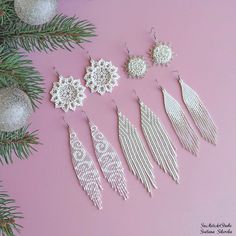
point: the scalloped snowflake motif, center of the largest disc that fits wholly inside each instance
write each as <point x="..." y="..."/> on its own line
<point x="101" y="76"/>
<point x="162" y="53"/>
<point x="67" y="93"/>
<point x="136" y="67"/>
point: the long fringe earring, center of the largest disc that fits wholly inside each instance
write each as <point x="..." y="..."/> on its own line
<point x="187" y="136"/>
<point x="162" y="149"/>
<point x="85" y="169"/>
<point x="199" y="113"/>
<point x="108" y="160"/>
<point x="135" y="153"/>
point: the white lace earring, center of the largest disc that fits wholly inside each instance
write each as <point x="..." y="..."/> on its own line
<point x="108" y="160"/>
<point x="135" y="152"/>
<point x="67" y="93"/>
<point x="85" y="169"/>
<point x="135" y="66"/>
<point x="161" y="52"/>
<point x="101" y="76"/>
<point x="158" y="140"/>
<point x="199" y="113"/>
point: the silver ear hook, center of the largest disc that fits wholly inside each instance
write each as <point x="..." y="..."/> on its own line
<point x="68" y="126"/>
<point x="87" y="52"/>
<point x="178" y="74"/>
<point x="114" y="102"/>
<point x="127" y="49"/>
<point x="54" y="68"/>
<point x="84" y="112"/>
<point x="154" y="33"/>
<point x="135" y="93"/>
<point x="157" y="85"/>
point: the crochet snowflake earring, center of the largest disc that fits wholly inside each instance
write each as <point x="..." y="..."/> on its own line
<point x="161" y="53"/>
<point x="101" y="76"/>
<point x="199" y="113"/>
<point x="85" y="169"/>
<point x="160" y="145"/>
<point x="187" y="136"/>
<point x="67" y="93"/>
<point x="135" y="66"/>
<point x="135" y="153"/>
<point x="108" y="160"/>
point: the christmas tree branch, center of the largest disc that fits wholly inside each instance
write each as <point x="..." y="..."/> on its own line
<point x="61" y="32"/>
<point x="8" y="215"/>
<point x="17" y="71"/>
<point x="20" y="142"/>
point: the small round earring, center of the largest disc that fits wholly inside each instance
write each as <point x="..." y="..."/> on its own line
<point x="161" y="52"/>
<point x="135" y="66"/>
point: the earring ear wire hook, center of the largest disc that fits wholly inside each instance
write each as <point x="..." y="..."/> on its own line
<point x="154" y="33"/>
<point x="135" y="93"/>
<point x="86" y="116"/>
<point x="67" y="124"/>
<point x="178" y="74"/>
<point x="157" y="85"/>
<point x="127" y="49"/>
<point x="114" y="102"/>
<point x="54" y="68"/>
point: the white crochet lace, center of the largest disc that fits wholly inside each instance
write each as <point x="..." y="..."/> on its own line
<point x="67" y="93"/>
<point x="101" y="76"/>
<point x="162" y="53"/>
<point x="136" y="67"/>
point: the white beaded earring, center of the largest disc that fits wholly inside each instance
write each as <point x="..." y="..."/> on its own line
<point x="135" y="66"/>
<point x="161" y="52"/>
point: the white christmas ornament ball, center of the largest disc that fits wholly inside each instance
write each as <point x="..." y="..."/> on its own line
<point x="15" y="109"/>
<point x="35" y="12"/>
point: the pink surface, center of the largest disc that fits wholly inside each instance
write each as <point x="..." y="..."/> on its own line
<point x="203" y="35"/>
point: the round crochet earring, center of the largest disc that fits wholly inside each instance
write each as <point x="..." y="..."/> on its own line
<point x="101" y="76"/>
<point x="161" y="53"/>
<point x="67" y="93"/>
<point x="135" y="66"/>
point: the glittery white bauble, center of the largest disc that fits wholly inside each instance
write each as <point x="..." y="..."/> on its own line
<point x="35" y="12"/>
<point x="15" y="109"/>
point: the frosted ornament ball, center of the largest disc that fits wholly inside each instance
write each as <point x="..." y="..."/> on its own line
<point x="35" y="12"/>
<point x="136" y="67"/>
<point x="68" y="93"/>
<point x="162" y="53"/>
<point x="15" y="109"/>
<point x="101" y="76"/>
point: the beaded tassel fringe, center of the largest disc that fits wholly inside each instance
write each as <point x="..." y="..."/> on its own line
<point x="109" y="162"/>
<point x="183" y="129"/>
<point x="199" y="113"/>
<point x="135" y="153"/>
<point x="161" y="147"/>
<point x="85" y="170"/>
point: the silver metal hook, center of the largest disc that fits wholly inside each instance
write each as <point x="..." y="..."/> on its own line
<point x="127" y="49"/>
<point x="157" y="85"/>
<point x="135" y="93"/>
<point x="54" y="68"/>
<point x="154" y="33"/>
<point x="114" y="102"/>
<point x="68" y="126"/>
<point x="84" y="112"/>
<point x="178" y="74"/>
<point x="87" y="52"/>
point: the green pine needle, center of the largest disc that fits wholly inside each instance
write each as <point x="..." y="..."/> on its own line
<point x="15" y="70"/>
<point x="61" y="32"/>
<point x="21" y="142"/>
<point x="8" y="215"/>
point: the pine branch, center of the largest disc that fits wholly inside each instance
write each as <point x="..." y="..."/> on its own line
<point x="15" y="70"/>
<point x="7" y="12"/>
<point x="20" y="142"/>
<point x="8" y="215"/>
<point x="61" y="32"/>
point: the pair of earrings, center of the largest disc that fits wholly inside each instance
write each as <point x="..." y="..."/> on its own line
<point x="86" y="170"/>
<point x="161" y="53"/>
<point x="199" y="114"/>
<point x="159" y="143"/>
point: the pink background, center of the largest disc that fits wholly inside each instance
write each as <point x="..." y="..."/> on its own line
<point x="203" y="35"/>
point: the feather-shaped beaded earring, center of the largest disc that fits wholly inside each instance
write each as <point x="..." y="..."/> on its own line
<point x="135" y="152"/>
<point x="199" y="113"/>
<point x="108" y="160"/>
<point x="85" y="169"/>
<point x="158" y="140"/>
